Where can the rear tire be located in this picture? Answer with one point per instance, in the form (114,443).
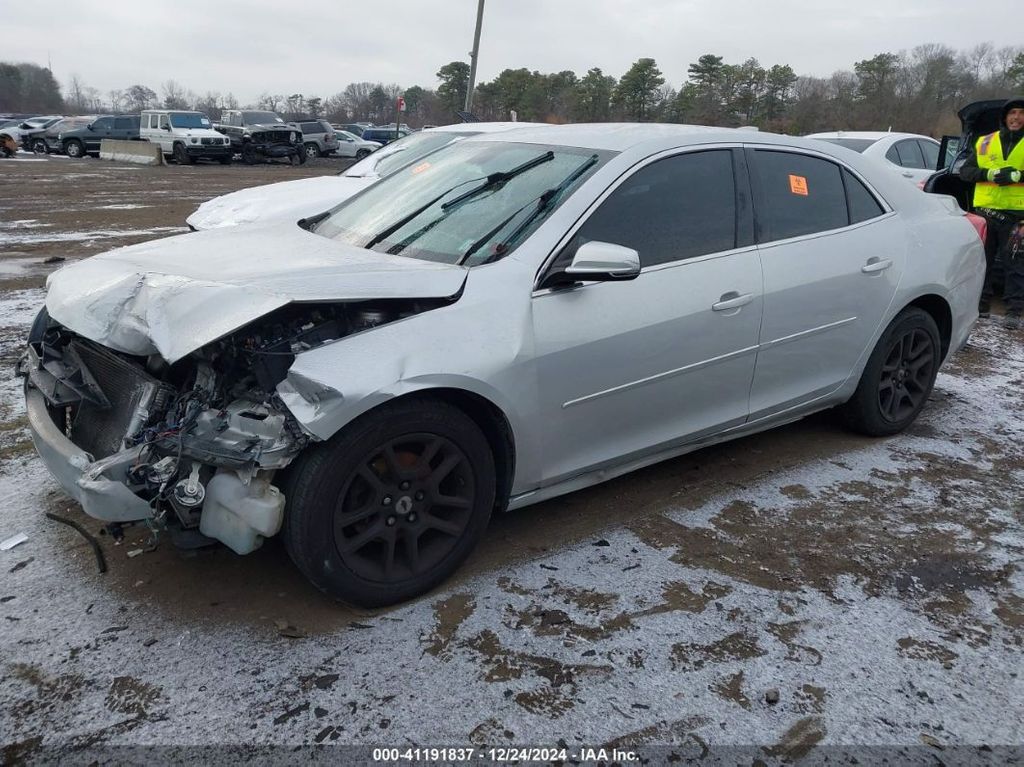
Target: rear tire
(362,153)
(898,377)
(393,505)
(312,151)
(224,160)
(39,146)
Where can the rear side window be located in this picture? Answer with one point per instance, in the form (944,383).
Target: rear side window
(311,128)
(123,123)
(906,154)
(862,203)
(672,209)
(799,195)
(931,154)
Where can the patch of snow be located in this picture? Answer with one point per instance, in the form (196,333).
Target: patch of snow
(97,234)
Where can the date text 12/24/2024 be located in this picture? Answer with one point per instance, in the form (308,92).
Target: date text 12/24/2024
(502,754)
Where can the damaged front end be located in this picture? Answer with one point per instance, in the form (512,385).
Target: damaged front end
(193,445)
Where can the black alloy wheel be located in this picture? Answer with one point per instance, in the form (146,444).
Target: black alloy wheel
(405,507)
(907,375)
(392,505)
(898,377)
(39,146)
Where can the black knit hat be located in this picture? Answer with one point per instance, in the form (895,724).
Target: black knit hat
(1014,103)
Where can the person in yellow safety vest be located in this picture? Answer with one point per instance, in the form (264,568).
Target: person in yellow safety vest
(995,168)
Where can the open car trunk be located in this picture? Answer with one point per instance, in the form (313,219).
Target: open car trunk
(977,119)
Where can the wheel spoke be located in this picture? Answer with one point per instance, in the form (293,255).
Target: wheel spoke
(452,501)
(392,461)
(357,542)
(441,525)
(390,543)
(365,511)
(371,477)
(447,465)
(411,540)
(427,456)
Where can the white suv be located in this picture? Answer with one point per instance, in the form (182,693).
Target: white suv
(185,135)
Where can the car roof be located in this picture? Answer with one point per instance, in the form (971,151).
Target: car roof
(482,127)
(618,137)
(866,134)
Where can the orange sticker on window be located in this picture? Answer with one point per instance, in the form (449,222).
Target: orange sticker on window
(421,167)
(798,185)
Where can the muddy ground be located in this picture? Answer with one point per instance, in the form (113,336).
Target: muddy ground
(794,592)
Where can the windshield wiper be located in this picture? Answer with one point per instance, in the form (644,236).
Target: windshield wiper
(498,179)
(543,203)
(385,233)
(490,182)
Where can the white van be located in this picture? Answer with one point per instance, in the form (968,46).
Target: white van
(185,135)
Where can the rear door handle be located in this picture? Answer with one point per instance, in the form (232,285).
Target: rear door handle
(732,300)
(875,265)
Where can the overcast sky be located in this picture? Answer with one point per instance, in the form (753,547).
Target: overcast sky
(316,47)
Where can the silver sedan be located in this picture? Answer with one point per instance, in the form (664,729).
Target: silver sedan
(517,316)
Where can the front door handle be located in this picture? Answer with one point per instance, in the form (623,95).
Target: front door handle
(732,300)
(875,265)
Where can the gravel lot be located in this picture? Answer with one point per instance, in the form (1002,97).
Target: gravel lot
(798,590)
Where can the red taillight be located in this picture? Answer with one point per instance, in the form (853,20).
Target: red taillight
(979,223)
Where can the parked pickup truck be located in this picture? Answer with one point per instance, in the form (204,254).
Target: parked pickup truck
(256,135)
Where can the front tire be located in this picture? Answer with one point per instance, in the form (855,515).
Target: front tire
(181,155)
(392,506)
(898,377)
(74,148)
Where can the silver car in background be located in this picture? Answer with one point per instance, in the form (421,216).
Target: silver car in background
(517,316)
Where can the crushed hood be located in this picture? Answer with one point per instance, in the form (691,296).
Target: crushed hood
(175,295)
(286,201)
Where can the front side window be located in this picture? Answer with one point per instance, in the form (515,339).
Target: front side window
(673,209)
(799,195)
(104,123)
(465,204)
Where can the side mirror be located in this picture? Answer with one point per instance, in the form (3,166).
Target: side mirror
(166,128)
(598,262)
(89,126)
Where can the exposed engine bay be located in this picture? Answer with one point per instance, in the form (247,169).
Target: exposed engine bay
(197,442)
